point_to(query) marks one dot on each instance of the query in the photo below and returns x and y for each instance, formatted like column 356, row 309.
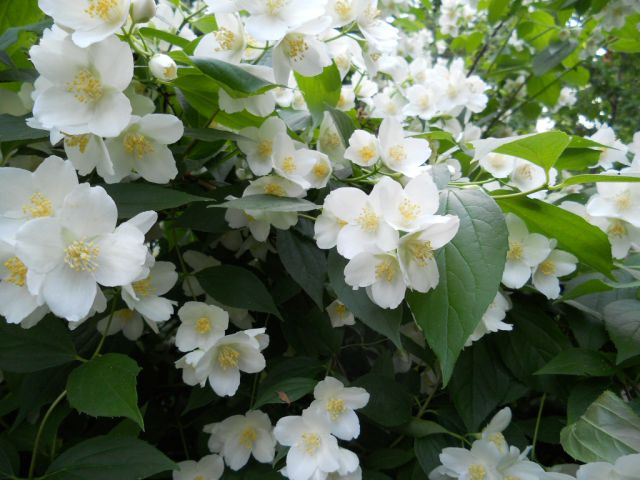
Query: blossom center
column 199, row 477
column 289, row 165
column 275, row 189
column 170, row 71
column 367, row 153
column 525, row 171
column 341, row 309
column 331, row 139
column 497, row 438
column 424, row 102
column 137, row 145
column 398, row 153
column 125, row 314
column 104, row 9
column 274, row 6
column 265, row 148
column 143, row 288
column 335, row 407
column 422, row 252
column 39, row 206
column 82, row 256
column 228, row 357
column 452, row 91
column 516, row 251
column 17, row 271
column 617, row 229
column 409, row 210
column 477, row 472
column 623, row 201
column 225, row 39
column 248, row 437
column 320, row 170
column 386, row 270
column 296, row 47
column 343, row 8
column 86, row 87
column 203, row 325
column 80, row 141
column 311, row 442
column 368, row 220
column 548, row 267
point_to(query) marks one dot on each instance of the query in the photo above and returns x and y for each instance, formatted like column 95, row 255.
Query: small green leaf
column 553, row 55
column 497, row 9
column 106, row 387
column 270, row 203
column 16, row 128
column 470, row 268
column 343, row 122
column 384, row 321
column 107, row 458
column 235, row 80
column 419, row 428
column 209, row 134
column 320, row 90
column 608, row 430
column 594, row 178
column 622, row 321
column 237, row 287
column 542, row 149
column 428, row 450
column 133, row 198
column 170, row 38
column 578, row 361
column 46, row 345
column 291, row 389
column 389, row 403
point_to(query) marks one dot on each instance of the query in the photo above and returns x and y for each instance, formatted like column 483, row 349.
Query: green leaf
column 542, row 149
column 199, row 217
column 16, row 128
column 46, row 345
column 155, row 34
column 553, row 55
column 133, row 198
column 622, row 321
column 385, row 322
column 470, row 269
column 578, row 361
column 320, row 90
column 497, row 9
column 6, row 468
column 106, row 387
column 16, row 13
column 608, row 430
column 573, row 233
column 305, row 262
column 237, row 287
column 107, row 458
column 292, row 389
column 428, row 450
column 210, row 134
column 235, row 80
column 389, row 403
column 270, row 203
column 594, row 178
column 478, row 385
column 343, row 123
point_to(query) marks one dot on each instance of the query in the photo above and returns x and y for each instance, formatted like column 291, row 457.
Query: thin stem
column 484, row 48
column 537, row 427
column 106, row 330
column 308, row 217
column 36, row 443
column 521, row 194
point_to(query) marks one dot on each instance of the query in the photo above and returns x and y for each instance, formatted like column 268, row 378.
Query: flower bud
column 142, row 10
column 163, row 67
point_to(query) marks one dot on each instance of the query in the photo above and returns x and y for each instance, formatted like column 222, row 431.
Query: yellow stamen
column 203, row 325
column 320, row 169
column 386, row 270
column 341, row 310
column 421, row 251
column 289, row 165
column 311, row 442
column 80, row 141
column 516, row 251
column 248, row 437
column 368, row 220
column 225, row 39
column 548, row 267
column 343, row 9
column 39, row 206
column 367, row 153
column 617, row 229
column 273, row 6
column 295, row 47
column 137, row 145
column 275, row 189
column 228, row 357
column 86, row 87
column 398, row 153
column 82, row 256
column 17, row 272
column 103, row 9
column 265, row 148
column 335, row 407
column 409, row 210
column 477, row 472
column 623, row 201
column 143, row 288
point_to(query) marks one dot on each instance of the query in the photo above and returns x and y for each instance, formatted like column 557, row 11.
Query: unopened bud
column 142, row 10
column 163, row 67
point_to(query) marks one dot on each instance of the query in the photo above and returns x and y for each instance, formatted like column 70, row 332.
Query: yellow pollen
column 82, row 256
column 343, row 8
column 341, row 309
column 511, row 477
column 335, row 407
column 17, row 271
column 137, row 145
column 424, row 102
column 452, row 91
column 248, row 437
column 289, row 165
column 516, row 251
column 80, row 141
column 497, row 160
column 331, row 139
column 368, row 220
column 170, row 71
column 409, row 210
column 143, row 288
column 623, row 201
column 320, row 169
column 477, row 472
column 274, row 189
column 39, row 206
column 392, row 108
column 228, row 357
column 341, row 223
column 617, row 229
column 342, row 101
column 498, row 440
column 386, row 270
column 367, row 153
column 103, row 9
column 273, row 6
column 296, row 47
column 548, row 267
column 203, row 325
column 398, row 153
column 311, row 442
column 265, row 148
column 125, row 314
column 199, row 477
column 225, row 38
column 525, row 171
column 422, row 252
column 85, row 87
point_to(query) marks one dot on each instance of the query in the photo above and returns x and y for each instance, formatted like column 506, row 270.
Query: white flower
column 88, row 152
column 339, row 315
column 187, row 364
column 258, row 144
column 498, row 164
column 363, row 149
column 478, row 463
column 259, row 105
column 526, row 251
column 227, row 43
column 616, row 151
column 80, row 90
column 129, row 322
column 290, row 163
column 423, row 102
column 222, row 363
column 387, row 104
column 312, row 447
column 79, row 248
column 380, row 274
column 240, row 436
column 545, row 276
column 381, row 35
column 493, row 431
column 142, row 10
column 201, row 325
column 336, row 404
column 527, row 175
column 416, row 251
column 343, row 12
column 492, row 319
column 163, row 67
column 25, row 195
column 399, row 153
column 142, row 148
column 347, row 99
column 90, row 20
column 321, row 170
column 616, row 200
column 208, row 468
column 626, row 467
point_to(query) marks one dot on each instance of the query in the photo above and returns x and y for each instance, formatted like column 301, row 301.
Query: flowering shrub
column 321, row 239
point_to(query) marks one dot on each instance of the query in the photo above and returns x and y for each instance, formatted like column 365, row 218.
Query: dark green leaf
column 497, row 9
column 235, row 80
column 209, row 134
column 622, row 321
column 270, row 203
column 428, row 450
column 583, row 395
column 578, row 361
column 155, row 34
column 343, row 122
column 15, row 128
column 389, row 403
column 321, row 90
column 291, row 389
column 553, row 55
column 542, row 149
